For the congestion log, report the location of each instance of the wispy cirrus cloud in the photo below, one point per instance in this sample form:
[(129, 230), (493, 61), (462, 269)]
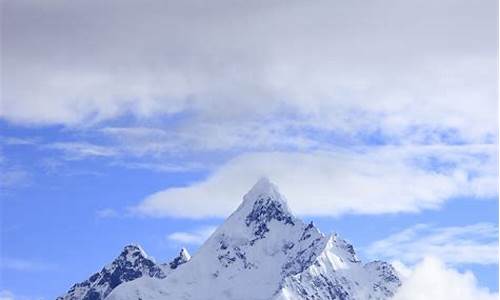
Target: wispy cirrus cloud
[(6, 294), (24, 265), (162, 166), (107, 213), (11, 177), (195, 136), (470, 244), (20, 141), (81, 150)]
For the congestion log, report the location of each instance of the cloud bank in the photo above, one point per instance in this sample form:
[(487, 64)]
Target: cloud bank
[(350, 66), (369, 181)]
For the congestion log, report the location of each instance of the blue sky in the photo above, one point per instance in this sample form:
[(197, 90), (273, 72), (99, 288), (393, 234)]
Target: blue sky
[(147, 125)]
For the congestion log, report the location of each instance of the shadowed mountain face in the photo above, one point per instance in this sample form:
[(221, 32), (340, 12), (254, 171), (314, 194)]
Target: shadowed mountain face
[(132, 263)]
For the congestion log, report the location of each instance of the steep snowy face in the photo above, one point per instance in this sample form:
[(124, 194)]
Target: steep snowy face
[(262, 252), (132, 263), (338, 274)]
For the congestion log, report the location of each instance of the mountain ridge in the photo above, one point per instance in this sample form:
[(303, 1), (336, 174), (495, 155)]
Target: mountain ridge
[(263, 252), (132, 263)]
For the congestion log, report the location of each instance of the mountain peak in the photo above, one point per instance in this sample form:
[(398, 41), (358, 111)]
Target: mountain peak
[(263, 187), (183, 257), (185, 254), (262, 251), (133, 253), (264, 193), (132, 263), (133, 249), (262, 204)]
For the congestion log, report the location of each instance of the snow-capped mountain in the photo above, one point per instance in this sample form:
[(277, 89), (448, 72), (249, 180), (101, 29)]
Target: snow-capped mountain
[(263, 252), (132, 263)]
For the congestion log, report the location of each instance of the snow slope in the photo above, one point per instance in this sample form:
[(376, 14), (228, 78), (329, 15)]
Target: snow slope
[(263, 252)]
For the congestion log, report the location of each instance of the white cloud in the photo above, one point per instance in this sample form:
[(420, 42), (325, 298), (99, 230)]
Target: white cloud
[(431, 279), (162, 166), (11, 174), (9, 295), (81, 150), (380, 180), (6, 295), (107, 213), (196, 237), (211, 135), (13, 177), (20, 141), (331, 64), (472, 244), (183, 139)]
